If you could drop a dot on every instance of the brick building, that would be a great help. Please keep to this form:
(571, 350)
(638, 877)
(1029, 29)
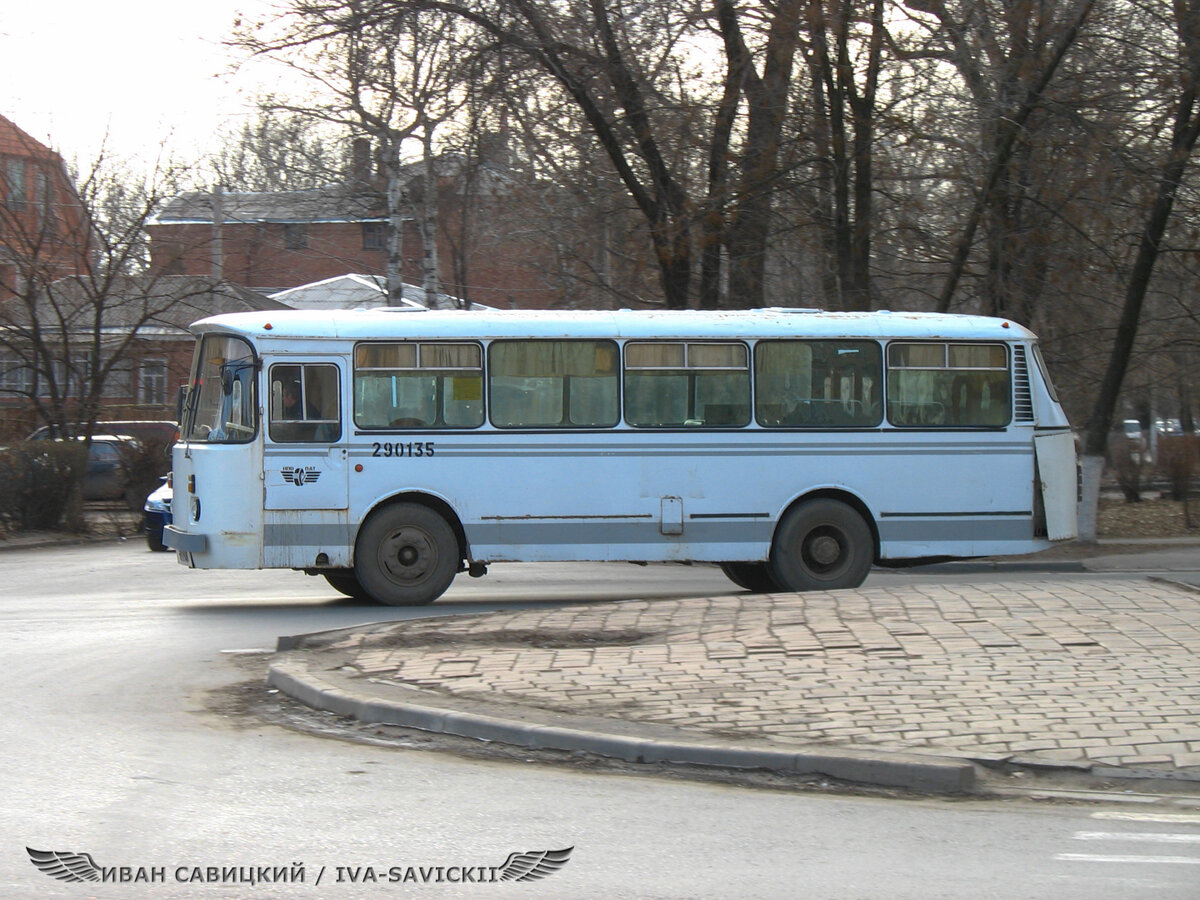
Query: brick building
(42, 233)
(271, 242)
(140, 322)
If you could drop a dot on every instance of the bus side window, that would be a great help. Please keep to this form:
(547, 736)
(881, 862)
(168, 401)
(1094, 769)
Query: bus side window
(418, 384)
(304, 403)
(949, 385)
(669, 384)
(553, 384)
(818, 384)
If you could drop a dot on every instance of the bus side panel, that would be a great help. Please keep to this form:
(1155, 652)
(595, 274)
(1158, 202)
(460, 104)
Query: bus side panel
(711, 496)
(957, 495)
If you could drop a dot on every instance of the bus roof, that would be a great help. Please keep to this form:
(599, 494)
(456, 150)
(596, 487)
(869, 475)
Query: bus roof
(401, 324)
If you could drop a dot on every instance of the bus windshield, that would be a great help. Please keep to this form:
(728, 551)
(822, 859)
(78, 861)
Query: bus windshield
(221, 403)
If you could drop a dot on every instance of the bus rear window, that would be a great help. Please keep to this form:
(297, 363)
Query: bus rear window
(417, 384)
(949, 385)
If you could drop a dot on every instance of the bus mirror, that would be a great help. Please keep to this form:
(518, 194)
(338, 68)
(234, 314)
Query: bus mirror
(227, 380)
(181, 403)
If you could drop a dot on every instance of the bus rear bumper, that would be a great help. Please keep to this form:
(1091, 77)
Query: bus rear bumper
(184, 542)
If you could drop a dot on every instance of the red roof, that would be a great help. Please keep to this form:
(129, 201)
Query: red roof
(15, 142)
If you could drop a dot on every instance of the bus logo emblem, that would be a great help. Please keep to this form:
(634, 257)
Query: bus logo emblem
(300, 477)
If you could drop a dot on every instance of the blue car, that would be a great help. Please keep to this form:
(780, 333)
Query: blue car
(158, 515)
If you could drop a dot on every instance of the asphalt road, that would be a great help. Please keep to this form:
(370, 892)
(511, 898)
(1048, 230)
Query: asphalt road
(121, 742)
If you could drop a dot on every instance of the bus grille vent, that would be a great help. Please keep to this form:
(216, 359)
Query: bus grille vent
(1022, 396)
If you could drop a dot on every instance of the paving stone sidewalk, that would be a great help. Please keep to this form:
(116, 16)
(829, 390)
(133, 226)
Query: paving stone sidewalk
(1087, 672)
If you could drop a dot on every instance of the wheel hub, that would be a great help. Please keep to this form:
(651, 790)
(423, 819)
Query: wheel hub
(824, 549)
(408, 555)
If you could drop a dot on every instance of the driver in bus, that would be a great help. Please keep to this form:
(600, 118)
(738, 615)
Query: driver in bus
(292, 408)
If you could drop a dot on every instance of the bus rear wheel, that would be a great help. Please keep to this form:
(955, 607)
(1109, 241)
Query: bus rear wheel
(753, 576)
(406, 555)
(821, 545)
(344, 581)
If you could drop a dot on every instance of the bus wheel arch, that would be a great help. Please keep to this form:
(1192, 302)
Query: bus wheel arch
(825, 540)
(408, 550)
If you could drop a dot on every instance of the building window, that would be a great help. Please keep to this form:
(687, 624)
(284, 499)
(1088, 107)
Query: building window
(295, 236)
(152, 382)
(42, 201)
(14, 177)
(374, 235)
(14, 373)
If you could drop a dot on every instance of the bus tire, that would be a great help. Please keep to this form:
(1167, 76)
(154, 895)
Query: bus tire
(753, 576)
(344, 581)
(406, 555)
(821, 545)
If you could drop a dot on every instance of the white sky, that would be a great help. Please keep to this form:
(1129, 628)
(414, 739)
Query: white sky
(143, 72)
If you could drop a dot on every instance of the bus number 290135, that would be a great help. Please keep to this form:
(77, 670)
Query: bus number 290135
(399, 448)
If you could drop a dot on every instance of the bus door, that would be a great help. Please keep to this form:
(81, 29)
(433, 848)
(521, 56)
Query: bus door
(305, 463)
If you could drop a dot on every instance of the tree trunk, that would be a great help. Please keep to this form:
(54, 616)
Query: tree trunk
(1183, 141)
(430, 281)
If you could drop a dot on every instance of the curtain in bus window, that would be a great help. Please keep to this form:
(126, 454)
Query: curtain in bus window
(418, 385)
(818, 384)
(949, 385)
(671, 384)
(555, 384)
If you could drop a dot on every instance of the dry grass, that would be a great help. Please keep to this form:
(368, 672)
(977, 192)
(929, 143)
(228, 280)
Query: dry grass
(1147, 519)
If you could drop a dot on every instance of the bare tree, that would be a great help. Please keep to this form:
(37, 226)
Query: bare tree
(392, 79)
(1007, 55)
(1179, 143)
(277, 151)
(70, 334)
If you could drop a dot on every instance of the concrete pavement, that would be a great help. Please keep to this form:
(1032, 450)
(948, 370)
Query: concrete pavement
(927, 687)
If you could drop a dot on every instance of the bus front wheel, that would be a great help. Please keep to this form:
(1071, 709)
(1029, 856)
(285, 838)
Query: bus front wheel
(406, 555)
(821, 545)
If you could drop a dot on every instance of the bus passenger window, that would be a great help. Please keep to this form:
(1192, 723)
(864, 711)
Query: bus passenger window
(418, 384)
(673, 384)
(818, 384)
(304, 404)
(553, 384)
(949, 385)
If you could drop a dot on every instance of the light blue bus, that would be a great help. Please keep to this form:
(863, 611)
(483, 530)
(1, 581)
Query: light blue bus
(390, 449)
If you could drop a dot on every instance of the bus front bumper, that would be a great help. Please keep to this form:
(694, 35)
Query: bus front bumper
(184, 542)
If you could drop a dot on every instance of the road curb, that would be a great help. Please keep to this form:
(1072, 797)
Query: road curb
(294, 677)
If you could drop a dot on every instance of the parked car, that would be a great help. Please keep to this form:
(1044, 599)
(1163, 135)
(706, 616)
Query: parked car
(158, 515)
(147, 431)
(107, 475)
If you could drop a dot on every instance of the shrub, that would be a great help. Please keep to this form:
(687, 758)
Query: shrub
(143, 467)
(39, 484)
(1177, 457)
